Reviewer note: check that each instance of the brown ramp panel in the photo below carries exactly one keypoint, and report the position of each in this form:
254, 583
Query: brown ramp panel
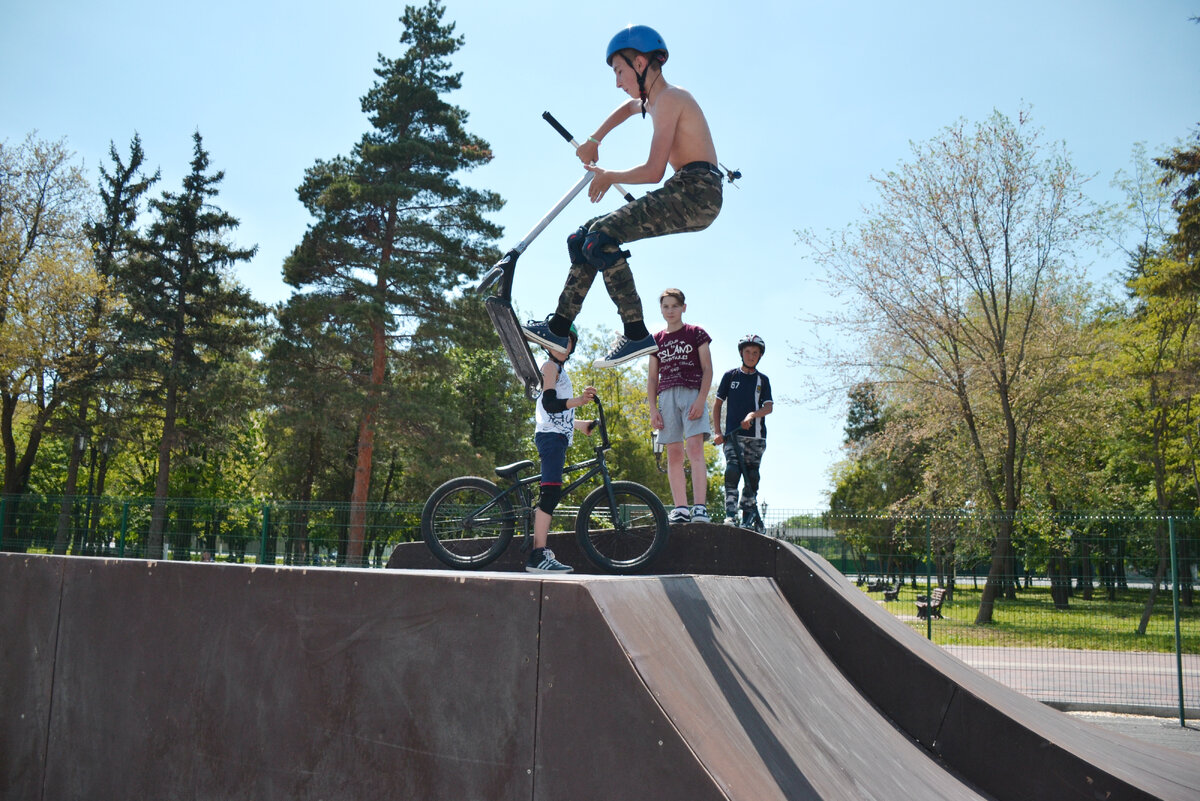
29, 592
203, 681
728, 666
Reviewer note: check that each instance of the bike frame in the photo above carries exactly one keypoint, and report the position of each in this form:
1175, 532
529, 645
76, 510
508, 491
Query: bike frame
596, 466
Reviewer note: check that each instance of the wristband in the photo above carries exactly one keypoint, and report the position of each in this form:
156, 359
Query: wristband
593, 139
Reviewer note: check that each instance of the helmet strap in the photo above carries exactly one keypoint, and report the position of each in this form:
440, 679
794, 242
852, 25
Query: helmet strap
641, 79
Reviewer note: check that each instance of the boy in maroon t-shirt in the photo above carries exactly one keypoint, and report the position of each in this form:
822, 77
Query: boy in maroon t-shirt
680, 376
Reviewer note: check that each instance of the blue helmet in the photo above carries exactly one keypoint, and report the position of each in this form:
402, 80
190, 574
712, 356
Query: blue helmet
641, 38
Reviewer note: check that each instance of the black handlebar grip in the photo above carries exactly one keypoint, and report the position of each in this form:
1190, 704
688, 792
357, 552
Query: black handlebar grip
548, 117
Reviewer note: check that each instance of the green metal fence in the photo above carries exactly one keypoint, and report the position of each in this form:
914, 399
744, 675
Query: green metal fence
1094, 610
241, 531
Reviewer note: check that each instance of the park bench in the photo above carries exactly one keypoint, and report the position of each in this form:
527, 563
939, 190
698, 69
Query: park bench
893, 592
932, 604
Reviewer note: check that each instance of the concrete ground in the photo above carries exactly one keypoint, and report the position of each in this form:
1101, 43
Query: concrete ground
1160, 731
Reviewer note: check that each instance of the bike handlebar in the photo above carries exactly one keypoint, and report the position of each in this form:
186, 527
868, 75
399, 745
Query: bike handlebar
604, 443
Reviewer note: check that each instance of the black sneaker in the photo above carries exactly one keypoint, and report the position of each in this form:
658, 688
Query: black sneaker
623, 349
539, 331
542, 561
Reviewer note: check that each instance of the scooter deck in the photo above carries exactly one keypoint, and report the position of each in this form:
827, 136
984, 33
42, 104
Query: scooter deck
515, 344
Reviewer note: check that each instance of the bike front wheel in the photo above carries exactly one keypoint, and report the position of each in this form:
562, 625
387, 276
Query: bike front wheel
467, 522
624, 532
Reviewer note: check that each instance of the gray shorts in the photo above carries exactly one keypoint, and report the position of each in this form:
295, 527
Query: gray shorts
673, 403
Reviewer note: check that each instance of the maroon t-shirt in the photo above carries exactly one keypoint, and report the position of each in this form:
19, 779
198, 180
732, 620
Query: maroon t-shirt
679, 357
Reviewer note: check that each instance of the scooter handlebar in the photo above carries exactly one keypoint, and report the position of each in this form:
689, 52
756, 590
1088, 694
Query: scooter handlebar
548, 117
565, 134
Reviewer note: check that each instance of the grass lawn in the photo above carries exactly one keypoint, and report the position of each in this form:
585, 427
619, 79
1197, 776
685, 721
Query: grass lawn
1031, 621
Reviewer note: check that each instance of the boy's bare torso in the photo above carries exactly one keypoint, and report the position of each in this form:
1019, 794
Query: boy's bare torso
692, 141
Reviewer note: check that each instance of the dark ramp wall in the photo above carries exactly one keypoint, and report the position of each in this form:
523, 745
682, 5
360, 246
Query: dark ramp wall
156, 680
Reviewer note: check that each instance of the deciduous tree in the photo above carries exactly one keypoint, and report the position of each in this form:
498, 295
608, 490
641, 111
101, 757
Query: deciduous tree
47, 288
958, 280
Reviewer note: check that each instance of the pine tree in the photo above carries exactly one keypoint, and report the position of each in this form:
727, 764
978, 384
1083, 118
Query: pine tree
184, 313
394, 230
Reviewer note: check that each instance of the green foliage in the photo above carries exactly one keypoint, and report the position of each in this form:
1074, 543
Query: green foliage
48, 290
395, 233
1182, 166
184, 317
184, 314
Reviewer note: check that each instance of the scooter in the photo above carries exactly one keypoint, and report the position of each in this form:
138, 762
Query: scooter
499, 306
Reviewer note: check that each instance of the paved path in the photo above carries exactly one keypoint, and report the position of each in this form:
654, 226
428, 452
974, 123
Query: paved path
1114, 681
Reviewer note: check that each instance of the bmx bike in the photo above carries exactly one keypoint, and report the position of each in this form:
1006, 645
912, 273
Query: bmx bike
469, 521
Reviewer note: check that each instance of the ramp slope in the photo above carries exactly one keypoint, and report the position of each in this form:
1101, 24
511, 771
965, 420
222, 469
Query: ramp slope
755, 698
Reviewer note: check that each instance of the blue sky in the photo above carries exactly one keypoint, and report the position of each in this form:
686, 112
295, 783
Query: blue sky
807, 99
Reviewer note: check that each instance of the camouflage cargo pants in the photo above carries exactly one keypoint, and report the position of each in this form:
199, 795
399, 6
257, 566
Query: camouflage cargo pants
689, 201
745, 468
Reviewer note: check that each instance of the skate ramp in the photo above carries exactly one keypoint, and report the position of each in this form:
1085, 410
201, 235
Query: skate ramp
198, 681
134, 679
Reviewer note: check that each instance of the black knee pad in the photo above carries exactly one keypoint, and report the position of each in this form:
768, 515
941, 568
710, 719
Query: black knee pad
575, 245
550, 495
594, 251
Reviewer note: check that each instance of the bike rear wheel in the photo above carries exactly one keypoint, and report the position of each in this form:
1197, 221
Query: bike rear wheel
625, 535
467, 522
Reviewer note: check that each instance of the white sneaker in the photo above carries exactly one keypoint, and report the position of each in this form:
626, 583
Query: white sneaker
729, 521
680, 514
700, 514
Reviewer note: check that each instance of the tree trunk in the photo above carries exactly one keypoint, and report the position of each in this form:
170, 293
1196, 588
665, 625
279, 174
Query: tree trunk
366, 451
1159, 577
997, 574
63, 530
1060, 582
162, 482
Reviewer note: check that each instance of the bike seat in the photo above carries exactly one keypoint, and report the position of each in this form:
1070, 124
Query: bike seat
511, 471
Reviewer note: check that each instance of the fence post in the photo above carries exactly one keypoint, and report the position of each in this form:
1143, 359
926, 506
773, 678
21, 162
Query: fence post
124, 528
266, 525
1175, 606
929, 576
3, 516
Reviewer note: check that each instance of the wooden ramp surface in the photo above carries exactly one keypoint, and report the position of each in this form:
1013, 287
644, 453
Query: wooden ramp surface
138, 679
